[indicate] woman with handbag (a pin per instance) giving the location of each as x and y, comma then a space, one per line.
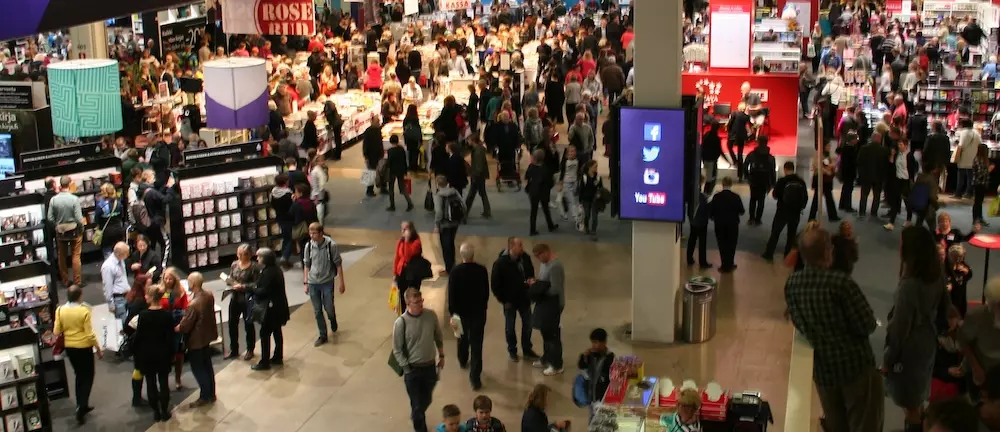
109, 214
270, 309
281, 202
591, 196
242, 275
155, 351
77, 337
303, 213
175, 301
408, 247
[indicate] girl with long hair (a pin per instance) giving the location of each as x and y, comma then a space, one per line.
135, 301
155, 351
242, 274
981, 168
175, 301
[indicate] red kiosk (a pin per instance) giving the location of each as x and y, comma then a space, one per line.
735, 38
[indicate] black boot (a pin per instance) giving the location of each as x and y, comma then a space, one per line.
137, 393
164, 407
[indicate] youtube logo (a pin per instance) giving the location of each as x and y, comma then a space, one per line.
651, 198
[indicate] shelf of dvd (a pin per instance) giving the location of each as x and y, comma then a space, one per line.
24, 403
22, 229
26, 300
222, 206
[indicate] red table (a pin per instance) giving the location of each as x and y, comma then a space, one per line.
987, 242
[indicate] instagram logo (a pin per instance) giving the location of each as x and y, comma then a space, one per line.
651, 198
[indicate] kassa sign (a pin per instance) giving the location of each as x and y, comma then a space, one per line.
269, 17
451, 5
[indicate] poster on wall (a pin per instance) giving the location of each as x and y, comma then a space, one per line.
729, 48
411, 7
269, 17
15, 95
652, 164
179, 34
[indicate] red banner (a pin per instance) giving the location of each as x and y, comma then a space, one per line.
269, 17
894, 7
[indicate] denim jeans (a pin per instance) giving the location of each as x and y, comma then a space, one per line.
121, 308
321, 296
420, 382
510, 320
201, 367
570, 191
963, 185
552, 350
477, 185
589, 217
286, 240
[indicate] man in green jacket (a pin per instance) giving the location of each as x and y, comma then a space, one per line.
479, 172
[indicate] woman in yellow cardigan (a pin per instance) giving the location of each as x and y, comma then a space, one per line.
73, 322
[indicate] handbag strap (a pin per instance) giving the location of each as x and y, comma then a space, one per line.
406, 350
110, 212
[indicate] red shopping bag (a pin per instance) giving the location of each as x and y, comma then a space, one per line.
409, 185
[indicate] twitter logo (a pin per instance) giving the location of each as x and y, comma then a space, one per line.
652, 132
649, 154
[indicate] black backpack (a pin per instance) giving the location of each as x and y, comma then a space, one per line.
794, 197
454, 209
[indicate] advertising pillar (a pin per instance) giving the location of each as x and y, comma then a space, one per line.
656, 245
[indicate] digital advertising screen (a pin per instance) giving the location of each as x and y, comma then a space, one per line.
652, 164
6, 155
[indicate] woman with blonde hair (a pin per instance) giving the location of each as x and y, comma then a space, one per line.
175, 300
109, 216
534, 418
155, 351
318, 176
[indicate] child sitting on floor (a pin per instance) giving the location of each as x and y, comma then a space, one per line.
483, 420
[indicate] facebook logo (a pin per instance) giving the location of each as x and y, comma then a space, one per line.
651, 132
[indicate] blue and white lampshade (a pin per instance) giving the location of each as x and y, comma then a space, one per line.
236, 93
86, 97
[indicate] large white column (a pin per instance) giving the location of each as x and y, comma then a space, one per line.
90, 41
656, 252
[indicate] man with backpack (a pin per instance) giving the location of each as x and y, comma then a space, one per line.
791, 193
321, 263
449, 213
760, 169
923, 199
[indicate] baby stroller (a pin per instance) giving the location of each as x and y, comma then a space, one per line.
508, 171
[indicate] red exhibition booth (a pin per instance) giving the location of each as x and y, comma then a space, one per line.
731, 48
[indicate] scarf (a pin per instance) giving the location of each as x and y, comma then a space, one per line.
677, 426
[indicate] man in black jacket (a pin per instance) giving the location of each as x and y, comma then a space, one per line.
396, 159
511, 271
468, 297
458, 175
711, 151
158, 156
760, 171
973, 33
156, 205
792, 195
372, 149
596, 364
873, 166
726, 209
699, 231
848, 151
916, 128
937, 150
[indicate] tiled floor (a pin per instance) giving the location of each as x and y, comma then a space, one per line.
346, 385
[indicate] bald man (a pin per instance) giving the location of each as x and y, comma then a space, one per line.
114, 279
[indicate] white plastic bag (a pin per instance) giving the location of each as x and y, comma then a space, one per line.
368, 177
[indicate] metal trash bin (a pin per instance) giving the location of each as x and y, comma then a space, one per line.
699, 309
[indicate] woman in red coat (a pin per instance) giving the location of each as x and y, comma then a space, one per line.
407, 248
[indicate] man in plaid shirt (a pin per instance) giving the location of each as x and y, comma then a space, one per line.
829, 310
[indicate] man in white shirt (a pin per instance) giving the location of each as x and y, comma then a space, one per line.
897, 186
456, 64
412, 94
968, 145
115, 280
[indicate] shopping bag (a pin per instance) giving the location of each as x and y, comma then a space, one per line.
580, 391
394, 299
408, 183
429, 198
368, 177
792, 258
994, 210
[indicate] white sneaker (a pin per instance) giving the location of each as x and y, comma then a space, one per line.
538, 364
888, 227
550, 371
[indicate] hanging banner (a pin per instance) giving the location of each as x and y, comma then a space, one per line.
269, 17
176, 35
454, 5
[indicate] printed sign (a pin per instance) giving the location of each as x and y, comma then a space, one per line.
15, 95
269, 17
652, 164
59, 155
223, 154
179, 34
453, 5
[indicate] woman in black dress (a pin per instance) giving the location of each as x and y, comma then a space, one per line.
270, 297
242, 274
334, 123
154, 352
135, 302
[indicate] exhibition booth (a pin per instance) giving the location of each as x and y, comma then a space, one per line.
761, 52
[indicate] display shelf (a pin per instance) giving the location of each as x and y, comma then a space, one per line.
19, 381
37, 226
228, 194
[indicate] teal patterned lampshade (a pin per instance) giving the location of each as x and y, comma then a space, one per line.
85, 97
